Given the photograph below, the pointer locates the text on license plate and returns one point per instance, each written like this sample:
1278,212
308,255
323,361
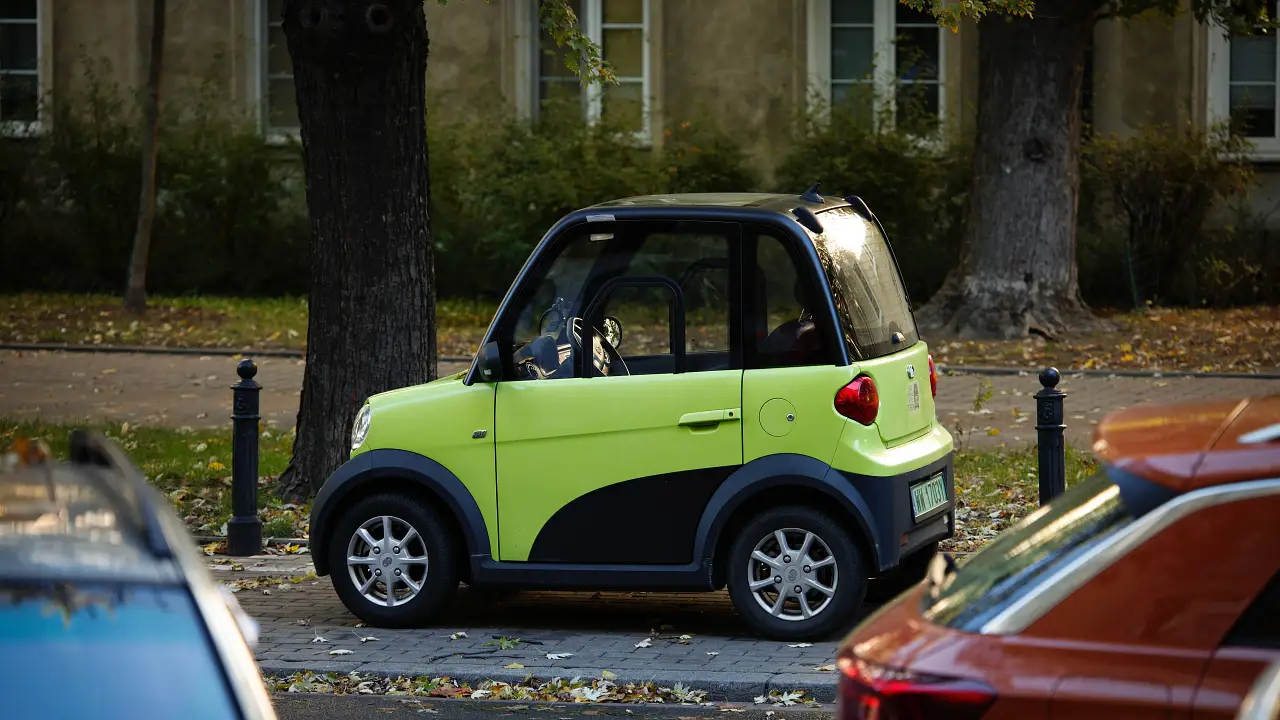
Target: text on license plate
928,495
913,396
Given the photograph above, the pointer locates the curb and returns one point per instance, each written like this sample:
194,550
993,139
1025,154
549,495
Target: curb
299,355
161,350
727,686
981,370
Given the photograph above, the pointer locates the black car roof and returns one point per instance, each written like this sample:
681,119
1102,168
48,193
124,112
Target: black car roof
776,202
76,522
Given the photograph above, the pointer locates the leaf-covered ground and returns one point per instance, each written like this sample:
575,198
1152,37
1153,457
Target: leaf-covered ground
994,488
1237,340
604,689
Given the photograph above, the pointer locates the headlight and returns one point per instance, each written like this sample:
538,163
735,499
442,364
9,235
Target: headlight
360,428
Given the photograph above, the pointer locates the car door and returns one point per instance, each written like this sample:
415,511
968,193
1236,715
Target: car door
616,469
1252,645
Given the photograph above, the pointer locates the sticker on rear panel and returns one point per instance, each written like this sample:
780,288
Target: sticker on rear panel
913,396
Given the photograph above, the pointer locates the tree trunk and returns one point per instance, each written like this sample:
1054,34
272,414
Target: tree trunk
135,294
1017,270
360,74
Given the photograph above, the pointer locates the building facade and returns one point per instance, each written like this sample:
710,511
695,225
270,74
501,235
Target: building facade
751,63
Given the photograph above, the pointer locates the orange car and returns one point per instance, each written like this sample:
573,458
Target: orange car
1150,590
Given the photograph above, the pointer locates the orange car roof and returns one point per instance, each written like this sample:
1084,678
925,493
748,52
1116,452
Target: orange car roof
1189,446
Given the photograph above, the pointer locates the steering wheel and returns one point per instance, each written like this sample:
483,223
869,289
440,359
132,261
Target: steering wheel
612,358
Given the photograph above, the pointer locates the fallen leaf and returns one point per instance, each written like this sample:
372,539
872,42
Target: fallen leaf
339,651
825,668
647,642
606,675
801,645
713,654
317,638
558,656
514,666
457,636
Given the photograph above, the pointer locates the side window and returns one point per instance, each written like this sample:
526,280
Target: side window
1259,625
700,263
536,342
784,328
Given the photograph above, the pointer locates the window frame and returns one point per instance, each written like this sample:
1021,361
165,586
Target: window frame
29,128
884,74
592,20
637,230
806,273
1219,92
261,75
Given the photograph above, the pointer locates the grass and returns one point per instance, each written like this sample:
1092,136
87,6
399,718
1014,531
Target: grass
193,469
1235,340
994,488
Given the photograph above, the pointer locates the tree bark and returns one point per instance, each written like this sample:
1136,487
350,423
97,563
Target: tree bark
1017,270
360,74
135,294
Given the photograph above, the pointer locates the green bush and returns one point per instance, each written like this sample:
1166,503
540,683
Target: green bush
1146,203
915,183
223,224
498,184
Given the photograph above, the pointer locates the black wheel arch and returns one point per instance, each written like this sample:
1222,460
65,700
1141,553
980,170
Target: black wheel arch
785,479
403,471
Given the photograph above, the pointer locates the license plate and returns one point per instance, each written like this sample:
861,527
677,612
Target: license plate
929,495
913,396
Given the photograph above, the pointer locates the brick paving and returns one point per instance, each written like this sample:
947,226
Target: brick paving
193,391
597,632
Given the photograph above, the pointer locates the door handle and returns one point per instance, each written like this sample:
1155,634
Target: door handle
710,417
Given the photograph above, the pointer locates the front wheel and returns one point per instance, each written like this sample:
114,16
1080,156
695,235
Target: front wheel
394,561
795,574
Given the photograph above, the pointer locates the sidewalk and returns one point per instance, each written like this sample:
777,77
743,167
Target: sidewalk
588,632
194,391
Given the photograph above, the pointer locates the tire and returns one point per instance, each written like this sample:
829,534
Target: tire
910,570
835,558
437,578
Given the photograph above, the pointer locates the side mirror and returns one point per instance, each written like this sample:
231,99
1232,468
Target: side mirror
489,363
613,331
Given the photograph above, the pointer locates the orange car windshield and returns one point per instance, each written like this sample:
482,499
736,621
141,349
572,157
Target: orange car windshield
993,578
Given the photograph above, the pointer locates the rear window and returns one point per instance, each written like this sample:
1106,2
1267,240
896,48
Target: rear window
870,299
108,652
1007,569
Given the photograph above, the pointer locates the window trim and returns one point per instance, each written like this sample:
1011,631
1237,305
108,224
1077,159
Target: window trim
260,76
37,127
818,34
1218,93
528,68
805,273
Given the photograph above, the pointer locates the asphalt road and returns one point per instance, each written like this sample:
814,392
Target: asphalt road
362,707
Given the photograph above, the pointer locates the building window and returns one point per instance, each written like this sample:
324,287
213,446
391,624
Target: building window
621,29
875,53
19,64
277,102
1244,71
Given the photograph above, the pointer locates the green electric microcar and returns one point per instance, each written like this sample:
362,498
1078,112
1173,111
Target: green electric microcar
678,393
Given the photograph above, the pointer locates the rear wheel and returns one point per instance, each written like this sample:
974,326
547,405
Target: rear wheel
394,561
910,570
795,574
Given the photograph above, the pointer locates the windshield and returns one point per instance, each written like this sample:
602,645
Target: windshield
108,652
1005,570
870,299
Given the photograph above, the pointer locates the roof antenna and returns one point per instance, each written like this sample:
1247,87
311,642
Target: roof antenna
811,195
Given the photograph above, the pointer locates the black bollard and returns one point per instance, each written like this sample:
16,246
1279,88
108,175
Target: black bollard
244,531
1049,429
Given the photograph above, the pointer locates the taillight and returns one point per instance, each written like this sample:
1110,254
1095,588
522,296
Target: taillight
859,400
869,691
933,377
